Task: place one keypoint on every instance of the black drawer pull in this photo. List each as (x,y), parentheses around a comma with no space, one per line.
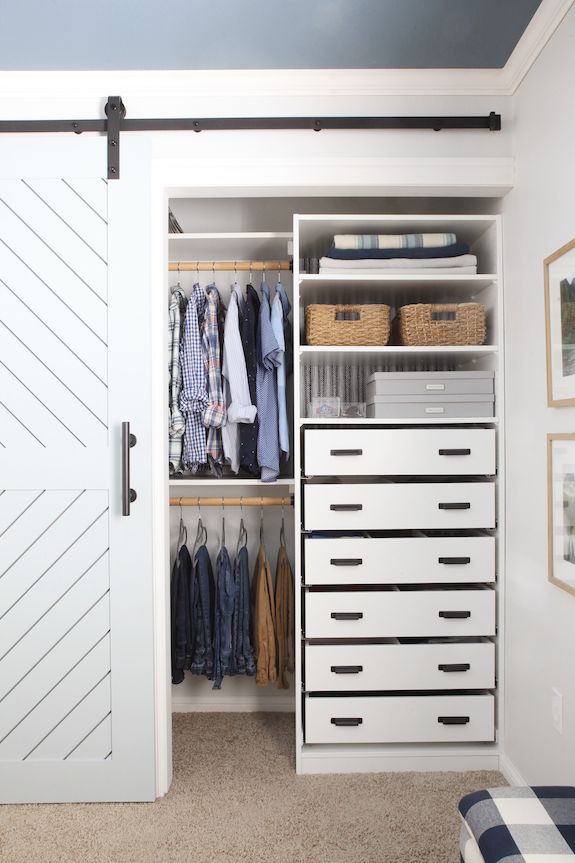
(346,452)
(346,721)
(454,505)
(346,561)
(454,666)
(454,560)
(454,452)
(346,507)
(453,720)
(454,615)
(347,615)
(347,669)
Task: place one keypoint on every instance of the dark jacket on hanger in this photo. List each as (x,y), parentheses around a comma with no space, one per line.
(224,606)
(203,613)
(242,653)
(284,609)
(180,601)
(263,620)
(249,316)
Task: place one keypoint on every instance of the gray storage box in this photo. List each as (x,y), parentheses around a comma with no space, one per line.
(424,407)
(429,384)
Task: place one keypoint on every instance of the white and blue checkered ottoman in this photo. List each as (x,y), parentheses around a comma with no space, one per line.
(518,825)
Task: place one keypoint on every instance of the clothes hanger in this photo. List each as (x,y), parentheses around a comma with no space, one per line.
(182,535)
(283,529)
(243,534)
(223,525)
(201,533)
(261,524)
(177,286)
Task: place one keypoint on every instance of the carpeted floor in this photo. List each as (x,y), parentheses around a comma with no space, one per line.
(236,799)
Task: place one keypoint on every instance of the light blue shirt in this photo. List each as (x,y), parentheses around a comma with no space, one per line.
(277,318)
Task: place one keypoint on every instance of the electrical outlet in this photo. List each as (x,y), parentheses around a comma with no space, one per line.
(557,709)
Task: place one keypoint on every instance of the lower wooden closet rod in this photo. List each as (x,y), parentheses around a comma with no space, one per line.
(205,266)
(232,501)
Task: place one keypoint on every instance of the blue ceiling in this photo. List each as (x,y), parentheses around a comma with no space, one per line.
(260,34)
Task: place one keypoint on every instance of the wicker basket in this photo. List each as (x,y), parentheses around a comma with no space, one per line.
(443,324)
(347,325)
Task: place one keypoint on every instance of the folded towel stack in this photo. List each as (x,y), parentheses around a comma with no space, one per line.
(386,254)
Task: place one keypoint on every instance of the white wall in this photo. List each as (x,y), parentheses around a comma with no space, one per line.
(539,217)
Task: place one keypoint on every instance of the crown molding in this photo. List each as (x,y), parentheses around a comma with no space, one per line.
(222,87)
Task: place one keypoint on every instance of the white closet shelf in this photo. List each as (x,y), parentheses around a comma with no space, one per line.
(237,245)
(417,421)
(477,282)
(227,481)
(374,352)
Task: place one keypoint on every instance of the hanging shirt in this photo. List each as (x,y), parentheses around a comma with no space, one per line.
(215,411)
(243,654)
(263,620)
(203,613)
(181,620)
(194,395)
(249,317)
(224,607)
(277,316)
(268,356)
(237,397)
(284,615)
(176,421)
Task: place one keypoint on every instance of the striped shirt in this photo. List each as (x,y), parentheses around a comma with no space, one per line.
(176,421)
(194,395)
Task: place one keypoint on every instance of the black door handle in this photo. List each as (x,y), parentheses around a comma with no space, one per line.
(453,720)
(454,560)
(454,505)
(346,507)
(347,615)
(346,452)
(347,669)
(452,615)
(346,561)
(454,666)
(346,721)
(128,494)
(454,452)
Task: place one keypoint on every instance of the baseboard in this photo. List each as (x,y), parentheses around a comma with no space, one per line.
(234,704)
(390,760)
(510,771)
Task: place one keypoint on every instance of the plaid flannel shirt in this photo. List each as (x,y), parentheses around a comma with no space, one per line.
(215,410)
(176,421)
(193,395)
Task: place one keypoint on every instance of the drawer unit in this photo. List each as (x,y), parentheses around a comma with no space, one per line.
(399,506)
(397,560)
(400,719)
(363,667)
(399,613)
(423,407)
(423,452)
(429,383)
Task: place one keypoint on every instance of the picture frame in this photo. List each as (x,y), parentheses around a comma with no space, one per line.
(559,277)
(561,510)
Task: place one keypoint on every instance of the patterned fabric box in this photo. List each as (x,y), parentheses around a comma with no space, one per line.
(518,825)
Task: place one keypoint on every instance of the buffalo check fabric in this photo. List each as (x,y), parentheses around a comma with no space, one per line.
(519,825)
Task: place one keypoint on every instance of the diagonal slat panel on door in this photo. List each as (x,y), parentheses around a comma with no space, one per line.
(75,254)
(95,743)
(63,698)
(92,193)
(13,504)
(56,664)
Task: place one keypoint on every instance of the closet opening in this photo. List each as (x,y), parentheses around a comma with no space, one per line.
(230,243)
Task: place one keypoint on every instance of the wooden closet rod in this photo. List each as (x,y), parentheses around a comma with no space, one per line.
(232,501)
(234,266)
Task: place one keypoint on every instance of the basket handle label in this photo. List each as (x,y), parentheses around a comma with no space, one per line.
(347,316)
(443,316)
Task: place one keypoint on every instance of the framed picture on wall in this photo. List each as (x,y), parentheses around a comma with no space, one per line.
(561,510)
(560,325)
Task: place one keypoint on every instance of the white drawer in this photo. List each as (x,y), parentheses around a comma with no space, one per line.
(399,506)
(400,719)
(363,667)
(389,452)
(399,613)
(399,560)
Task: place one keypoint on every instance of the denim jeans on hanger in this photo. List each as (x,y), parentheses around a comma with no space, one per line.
(203,613)
(225,596)
(244,649)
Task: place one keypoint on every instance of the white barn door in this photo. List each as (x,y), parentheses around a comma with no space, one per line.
(76,628)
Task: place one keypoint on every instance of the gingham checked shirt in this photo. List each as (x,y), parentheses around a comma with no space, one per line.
(215,411)
(194,394)
(176,421)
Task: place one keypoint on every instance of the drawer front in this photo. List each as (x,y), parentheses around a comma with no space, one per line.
(397,506)
(433,386)
(424,452)
(397,560)
(399,614)
(400,719)
(364,667)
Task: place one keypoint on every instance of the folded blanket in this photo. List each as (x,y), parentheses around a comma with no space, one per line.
(398,263)
(401,271)
(392,241)
(413,254)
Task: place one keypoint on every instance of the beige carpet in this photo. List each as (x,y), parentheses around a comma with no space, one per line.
(235,797)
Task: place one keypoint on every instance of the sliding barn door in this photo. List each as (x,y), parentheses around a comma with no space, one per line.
(76,629)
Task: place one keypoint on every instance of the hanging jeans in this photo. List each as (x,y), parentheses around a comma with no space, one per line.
(203,613)
(224,604)
(243,653)
(284,605)
(180,587)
